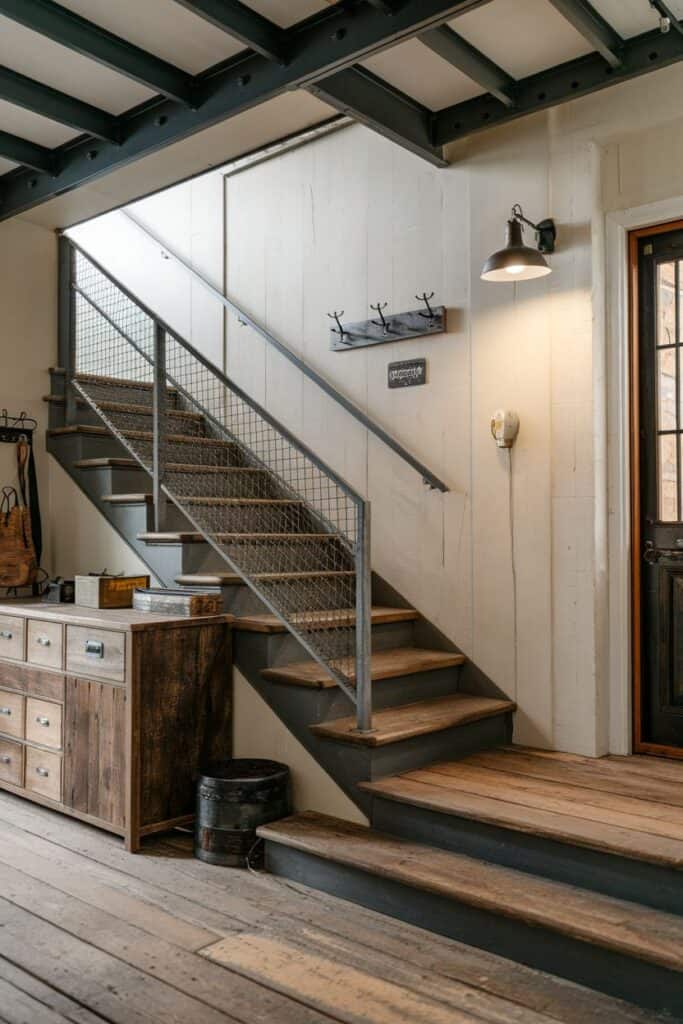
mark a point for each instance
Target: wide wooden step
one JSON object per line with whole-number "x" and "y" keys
{"x": 146, "y": 410}
{"x": 94, "y": 378}
{"x": 604, "y": 804}
{"x": 600, "y": 921}
{"x": 321, "y": 620}
{"x": 128, "y": 499}
{"x": 399, "y": 661}
{"x": 219, "y": 579}
{"x": 107, "y": 464}
{"x": 422, "y": 718}
{"x": 79, "y": 428}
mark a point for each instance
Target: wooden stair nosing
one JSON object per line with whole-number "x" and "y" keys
{"x": 420, "y": 718}
{"x": 128, "y": 499}
{"x": 108, "y": 463}
{"x": 147, "y": 435}
{"x": 193, "y": 537}
{"x": 199, "y": 500}
{"x": 629, "y": 929}
{"x": 79, "y": 428}
{"x": 216, "y": 579}
{"x": 333, "y": 618}
{"x": 94, "y": 378}
{"x": 398, "y": 661}
{"x": 146, "y": 410}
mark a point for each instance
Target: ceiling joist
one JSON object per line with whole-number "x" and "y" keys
{"x": 57, "y": 106}
{"x": 593, "y": 27}
{"x": 76, "y": 33}
{"x": 21, "y": 151}
{"x": 471, "y": 62}
{"x": 251, "y": 28}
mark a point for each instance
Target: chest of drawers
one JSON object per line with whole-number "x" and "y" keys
{"x": 108, "y": 715}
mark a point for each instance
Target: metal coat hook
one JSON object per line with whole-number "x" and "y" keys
{"x": 379, "y": 308}
{"x": 338, "y": 329}
{"x": 429, "y": 315}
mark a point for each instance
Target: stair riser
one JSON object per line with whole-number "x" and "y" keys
{"x": 251, "y": 518}
{"x": 70, "y": 448}
{"x": 244, "y": 484}
{"x": 283, "y": 648}
{"x": 117, "y": 480}
{"x": 190, "y": 452}
{"x": 539, "y": 947}
{"x": 138, "y": 517}
{"x": 181, "y": 425}
{"x": 299, "y": 556}
{"x": 128, "y": 394}
{"x": 620, "y": 877}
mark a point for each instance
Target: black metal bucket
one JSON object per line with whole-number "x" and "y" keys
{"x": 233, "y": 798}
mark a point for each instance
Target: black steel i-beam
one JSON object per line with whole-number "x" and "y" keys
{"x": 243, "y": 23}
{"x": 592, "y": 26}
{"x": 30, "y": 154}
{"x": 56, "y": 105}
{"x": 76, "y": 33}
{"x": 476, "y": 65}
{"x": 317, "y": 48}
{"x": 640, "y": 54}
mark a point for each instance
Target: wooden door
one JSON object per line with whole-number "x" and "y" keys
{"x": 657, "y": 367}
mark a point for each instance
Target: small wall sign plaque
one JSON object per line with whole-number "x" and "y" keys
{"x": 407, "y": 373}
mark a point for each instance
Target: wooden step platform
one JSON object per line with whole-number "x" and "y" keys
{"x": 629, "y": 807}
{"x": 399, "y": 661}
{"x": 190, "y": 537}
{"x": 128, "y": 499}
{"x": 626, "y": 929}
{"x": 422, "y": 718}
{"x": 321, "y": 620}
{"x": 219, "y": 579}
{"x": 108, "y": 463}
{"x": 79, "y": 428}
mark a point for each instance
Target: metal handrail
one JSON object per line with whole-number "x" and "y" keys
{"x": 361, "y": 693}
{"x": 428, "y": 477}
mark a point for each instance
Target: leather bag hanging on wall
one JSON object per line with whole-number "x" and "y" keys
{"x": 18, "y": 562}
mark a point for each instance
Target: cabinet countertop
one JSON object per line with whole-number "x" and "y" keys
{"x": 122, "y": 619}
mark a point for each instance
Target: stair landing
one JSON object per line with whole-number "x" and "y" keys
{"x": 631, "y": 807}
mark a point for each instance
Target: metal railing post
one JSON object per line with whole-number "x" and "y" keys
{"x": 159, "y": 426}
{"x": 363, "y": 619}
{"x": 67, "y": 325}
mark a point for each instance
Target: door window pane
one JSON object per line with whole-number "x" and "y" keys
{"x": 666, "y": 304}
{"x": 666, "y": 388}
{"x": 668, "y": 479}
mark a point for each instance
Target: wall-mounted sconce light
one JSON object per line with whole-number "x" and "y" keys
{"x": 517, "y": 261}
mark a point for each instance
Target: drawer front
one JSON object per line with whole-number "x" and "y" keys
{"x": 96, "y": 653}
{"x": 11, "y": 762}
{"x": 44, "y": 645}
{"x": 44, "y": 773}
{"x": 12, "y": 707}
{"x": 35, "y": 681}
{"x": 44, "y": 722}
{"x": 12, "y": 634}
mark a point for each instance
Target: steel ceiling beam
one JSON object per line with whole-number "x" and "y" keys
{"x": 593, "y": 27}
{"x": 71, "y": 30}
{"x": 370, "y": 100}
{"x": 243, "y": 23}
{"x": 21, "y": 151}
{"x": 471, "y": 62}
{"x": 647, "y": 52}
{"x": 317, "y": 48}
{"x": 57, "y": 106}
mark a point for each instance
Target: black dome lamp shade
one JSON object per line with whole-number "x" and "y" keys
{"x": 517, "y": 261}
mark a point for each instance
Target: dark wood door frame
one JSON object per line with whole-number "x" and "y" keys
{"x": 640, "y": 745}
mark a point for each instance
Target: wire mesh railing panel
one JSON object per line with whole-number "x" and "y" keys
{"x": 277, "y": 515}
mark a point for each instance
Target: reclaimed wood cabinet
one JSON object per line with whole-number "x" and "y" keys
{"x": 108, "y": 715}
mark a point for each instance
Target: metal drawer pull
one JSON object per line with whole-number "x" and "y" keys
{"x": 95, "y": 648}
{"x": 43, "y": 720}
{"x": 5, "y": 634}
{"x": 5, "y": 711}
{"x": 5, "y": 759}
{"x": 43, "y": 772}
{"x": 44, "y": 641}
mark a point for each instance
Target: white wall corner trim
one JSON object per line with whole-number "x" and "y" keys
{"x": 617, "y": 226}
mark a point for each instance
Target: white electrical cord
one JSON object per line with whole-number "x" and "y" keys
{"x": 513, "y": 563}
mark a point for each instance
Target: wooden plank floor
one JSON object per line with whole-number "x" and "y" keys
{"x": 631, "y": 806}
{"x": 91, "y": 934}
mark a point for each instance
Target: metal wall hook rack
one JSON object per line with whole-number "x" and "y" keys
{"x": 429, "y": 315}
{"x": 396, "y": 327}
{"x": 14, "y": 427}
{"x": 339, "y": 329}
{"x": 379, "y": 308}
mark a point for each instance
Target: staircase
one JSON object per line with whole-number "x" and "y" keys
{"x": 210, "y": 491}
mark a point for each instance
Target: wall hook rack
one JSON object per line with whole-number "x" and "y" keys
{"x": 379, "y": 308}
{"x": 416, "y": 323}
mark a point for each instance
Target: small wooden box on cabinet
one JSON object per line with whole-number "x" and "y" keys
{"x": 107, "y": 715}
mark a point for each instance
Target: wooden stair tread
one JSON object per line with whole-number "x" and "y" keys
{"x": 217, "y": 579}
{"x": 146, "y": 410}
{"x": 421, "y": 718}
{"x": 190, "y": 537}
{"x": 128, "y": 499}
{"x": 106, "y": 463}
{"x": 199, "y": 500}
{"x": 608, "y": 814}
{"x": 340, "y": 617}
{"x": 399, "y": 661}
{"x": 194, "y": 467}
{"x": 94, "y": 378}
{"x": 147, "y": 435}
{"x": 78, "y": 428}
{"x": 601, "y": 921}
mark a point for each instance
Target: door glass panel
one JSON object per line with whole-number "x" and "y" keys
{"x": 668, "y": 478}
{"x": 666, "y": 388}
{"x": 666, "y": 304}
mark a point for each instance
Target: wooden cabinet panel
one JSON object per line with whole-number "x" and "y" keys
{"x": 98, "y": 653}
{"x": 44, "y": 722}
{"x": 12, "y": 714}
{"x": 11, "y": 762}
{"x": 44, "y": 773}
{"x": 94, "y": 749}
{"x": 36, "y": 681}
{"x": 44, "y": 643}
{"x": 12, "y": 635}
